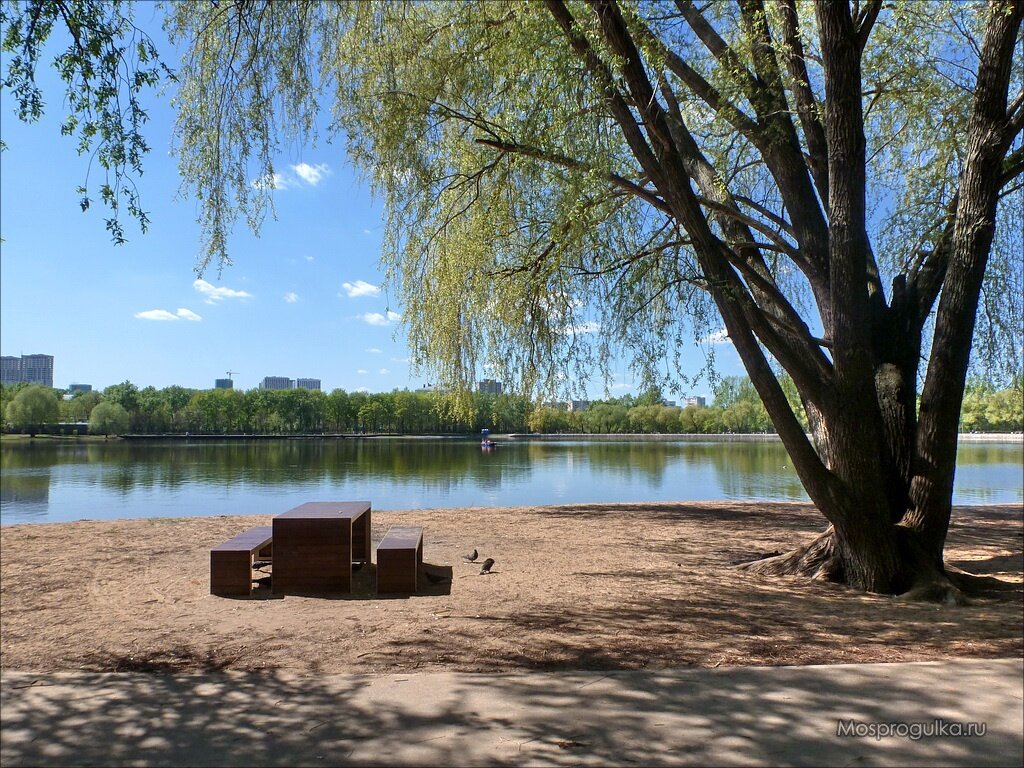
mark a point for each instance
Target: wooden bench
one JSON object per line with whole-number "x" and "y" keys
{"x": 231, "y": 562}
{"x": 399, "y": 557}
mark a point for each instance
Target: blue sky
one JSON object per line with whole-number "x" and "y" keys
{"x": 304, "y": 299}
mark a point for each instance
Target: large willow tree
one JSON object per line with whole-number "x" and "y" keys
{"x": 837, "y": 183}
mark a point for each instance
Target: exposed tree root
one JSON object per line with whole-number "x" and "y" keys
{"x": 982, "y": 586}
{"x": 925, "y": 582}
{"x": 934, "y": 587}
{"x": 818, "y": 560}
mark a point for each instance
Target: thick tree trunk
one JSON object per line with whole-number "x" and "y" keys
{"x": 890, "y": 523}
{"x": 989, "y": 135}
{"x": 920, "y": 578}
{"x": 883, "y": 481}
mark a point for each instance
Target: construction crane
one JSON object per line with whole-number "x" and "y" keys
{"x": 232, "y": 373}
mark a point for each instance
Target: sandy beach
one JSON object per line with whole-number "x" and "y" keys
{"x": 597, "y": 586}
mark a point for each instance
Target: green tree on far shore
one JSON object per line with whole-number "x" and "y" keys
{"x": 32, "y": 408}
{"x": 80, "y": 405}
{"x": 108, "y": 419}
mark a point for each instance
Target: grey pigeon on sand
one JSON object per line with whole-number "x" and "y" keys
{"x": 435, "y": 578}
{"x": 486, "y": 566}
{"x": 471, "y": 556}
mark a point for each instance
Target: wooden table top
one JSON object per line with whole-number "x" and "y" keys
{"x": 326, "y": 509}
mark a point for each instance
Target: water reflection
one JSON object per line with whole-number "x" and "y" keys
{"x": 28, "y": 492}
{"x": 54, "y": 481}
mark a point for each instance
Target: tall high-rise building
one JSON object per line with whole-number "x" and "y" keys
{"x": 34, "y": 369}
{"x": 79, "y": 387}
{"x": 313, "y": 384}
{"x": 10, "y": 369}
{"x": 489, "y": 387}
{"x": 277, "y": 382}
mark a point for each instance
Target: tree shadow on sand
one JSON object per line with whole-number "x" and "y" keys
{"x": 739, "y": 716}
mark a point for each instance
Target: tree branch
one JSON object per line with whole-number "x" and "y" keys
{"x": 768, "y": 214}
{"x": 710, "y": 95}
{"x": 775, "y": 139}
{"x": 568, "y": 162}
{"x": 718, "y": 47}
{"x": 866, "y": 20}
{"x": 806, "y": 103}
{"x": 796, "y": 350}
{"x": 1015, "y": 116}
{"x": 620, "y": 110}
{"x": 849, "y": 255}
{"x": 1013, "y": 166}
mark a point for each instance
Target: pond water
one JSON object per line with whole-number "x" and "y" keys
{"x": 54, "y": 482}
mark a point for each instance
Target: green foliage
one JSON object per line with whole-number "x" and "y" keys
{"x": 80, "y": 406}
{"x": 124, "y": 394}
{"x": 178, "y": 410}
{"x": 523, "y": 234}
{"x": 740, "y": 405}
{"x": 552, "y": 420}
{"x": 986, "y": 409}
{"x": 32, "y": 407}
{"x": 106, "y": 66}
{"x": 108, "y": 418}
{"x": 8, "y": 393}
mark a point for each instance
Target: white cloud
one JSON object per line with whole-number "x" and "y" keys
{"x": 156, "y": 314}
{"x": 309, "y": 258}
{"x": 400, "y": 360}
{"x": 367, "y": 232}
{"x": 215, "y": 293}
{"x": 291, "y": 297}
{"x": 591, "y": 326}
{"x": 374, "y": 351}
{"x": 163, "y": 314}
{"x": 363, "y": 389}
{"x": 376, "y": 318}
{"x": 271, "y": 181}
{"x": 621, "y": 385}
{"x": 312, "y": 174}
{"x": 383, "y": 371}
{"x": 361, "y": 371}
{"x": 360, "y": 288}
{"x": 721, "y": 336}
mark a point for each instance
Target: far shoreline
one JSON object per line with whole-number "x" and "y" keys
{"x": 626, "y": 437}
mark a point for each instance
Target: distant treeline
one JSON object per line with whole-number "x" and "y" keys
{"x": 176, "y": 410}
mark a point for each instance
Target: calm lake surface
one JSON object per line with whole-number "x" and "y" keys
{"x": 48, "y": 482}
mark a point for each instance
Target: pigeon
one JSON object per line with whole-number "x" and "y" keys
{"x": 435, "y": 578}
{"x": 487, "y": 565}
{"x": 471, "y": 556}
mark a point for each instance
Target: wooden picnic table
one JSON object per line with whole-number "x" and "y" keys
{"x": 315, "y": 545}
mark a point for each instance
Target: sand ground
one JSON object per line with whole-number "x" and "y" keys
{"x": 597, "y": 586}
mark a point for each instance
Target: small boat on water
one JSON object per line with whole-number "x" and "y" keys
{"x": 488, "y": 444}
